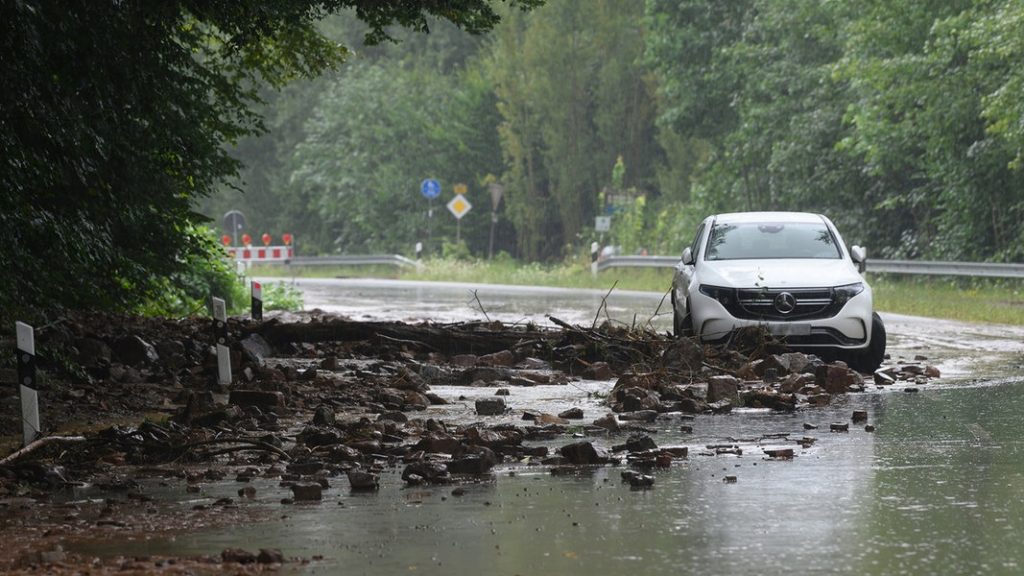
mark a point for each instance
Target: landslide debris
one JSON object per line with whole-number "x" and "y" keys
{"x": 316, "y": 396}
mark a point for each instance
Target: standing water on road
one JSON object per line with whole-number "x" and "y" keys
{"x": 938, "y": 487}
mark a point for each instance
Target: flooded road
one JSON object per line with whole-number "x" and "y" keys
{"x": 962, "y": 351}
{"x": 938, "y": 488}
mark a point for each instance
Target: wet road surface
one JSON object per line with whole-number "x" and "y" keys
{"x": 938, "y": 488}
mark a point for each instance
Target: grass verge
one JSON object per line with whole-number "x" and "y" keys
{"x": 968, "y": 299}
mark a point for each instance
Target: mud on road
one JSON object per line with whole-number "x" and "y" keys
{"x": 321, "y": 403}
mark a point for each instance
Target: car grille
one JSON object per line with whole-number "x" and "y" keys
{"x": 763, "y": 304}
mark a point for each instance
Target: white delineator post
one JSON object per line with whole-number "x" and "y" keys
{"x": 220, "y": 331}
{"x": 28, "y": 390}
{"x": 595, "y": 250}
{"x": 257, "y": 301}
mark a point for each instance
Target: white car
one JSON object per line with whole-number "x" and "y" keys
{"x": 787, "y": 271}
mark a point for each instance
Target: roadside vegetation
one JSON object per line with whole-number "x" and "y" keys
{"x": 900, "y": 121}
{"x": 966, "y": 299}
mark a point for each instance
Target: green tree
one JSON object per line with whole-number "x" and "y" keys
{"x": 116, "y": 117}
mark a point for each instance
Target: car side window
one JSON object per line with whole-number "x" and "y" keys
{"x": 696, "y": 242}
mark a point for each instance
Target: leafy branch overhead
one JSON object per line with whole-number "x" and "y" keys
{"x": 117, "y": 116}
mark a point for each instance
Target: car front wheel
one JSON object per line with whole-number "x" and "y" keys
{"x": 869, "y": 359}
{"x": 682, "y": 325}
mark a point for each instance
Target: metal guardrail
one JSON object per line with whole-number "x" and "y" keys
{"x": 347, "y": 260}
{"x": 992, "y": 270}
{"x": 888, "y": 266}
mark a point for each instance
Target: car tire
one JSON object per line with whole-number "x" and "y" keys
{"x": 682, "y": 325}
{"x": 871, "y": 357}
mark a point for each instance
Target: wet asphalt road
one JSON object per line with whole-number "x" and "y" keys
{"x": 962, "y": 351}
{"x": 938, "y": 488}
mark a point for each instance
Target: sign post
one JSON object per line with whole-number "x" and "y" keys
{"x": 220, "y": 333}
{"x": 234, "y": 222}
{"x": 496, "y": 190}
{"x": 459, "y": 206}
{"x": 27, "y": 387}
{"x": 430, "y": 188}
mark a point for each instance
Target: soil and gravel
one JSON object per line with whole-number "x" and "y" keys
{"x": 134, "y": 407}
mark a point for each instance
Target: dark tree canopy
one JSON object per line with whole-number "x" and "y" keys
{"x": 115, "y": 116}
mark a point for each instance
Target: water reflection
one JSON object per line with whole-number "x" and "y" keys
{"x": 939, "y": 488}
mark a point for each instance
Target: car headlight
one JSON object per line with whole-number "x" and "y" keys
{"x": 723, "y": 295}
{"x": 846, "y": 292}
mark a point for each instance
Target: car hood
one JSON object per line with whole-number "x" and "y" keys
{"x": 793, "y": 273}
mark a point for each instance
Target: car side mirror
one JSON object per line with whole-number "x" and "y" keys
{"x": 860, "y": 256}
{"x": 687, "y": 256}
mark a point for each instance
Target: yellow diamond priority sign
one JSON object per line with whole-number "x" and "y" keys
{"x": 459, "y": 206}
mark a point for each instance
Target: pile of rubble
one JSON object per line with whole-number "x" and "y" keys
{"x": 324, "y": 396}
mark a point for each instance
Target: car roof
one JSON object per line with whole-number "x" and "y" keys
{"x": 739, "y": 217}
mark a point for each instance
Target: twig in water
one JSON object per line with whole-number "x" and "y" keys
{"x": 657, "y": 311}
{"x": 604, "y": 304}
{"x": 480, "y": 305}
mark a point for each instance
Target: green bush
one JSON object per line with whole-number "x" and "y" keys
{"x": 281, "y": 296}
{"x": 203, "y": 276}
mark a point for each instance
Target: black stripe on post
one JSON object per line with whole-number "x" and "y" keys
{"x": 257, "y": 301}
{"x": 27, "y": 370}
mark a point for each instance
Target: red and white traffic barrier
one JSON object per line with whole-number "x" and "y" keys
{"x": 264, "y": 254}
{"x": 247, "y": 254}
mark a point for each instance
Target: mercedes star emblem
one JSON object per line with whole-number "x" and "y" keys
{"x": 785, "y": 303}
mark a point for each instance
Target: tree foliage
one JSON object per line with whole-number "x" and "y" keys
{"x": 900, "y": 121}
{"x": 117, "y": 116}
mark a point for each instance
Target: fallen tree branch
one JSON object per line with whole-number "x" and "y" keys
{"x": 39, "y": 444}
{"x": 252, "y": 443}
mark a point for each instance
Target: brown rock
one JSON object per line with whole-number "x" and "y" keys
{"x": 270, "y": 556}
{"x": 92, "y": 351}
{"x": 685, "y": 354}
{"x": 583, "y": 453}
{"x": 723, "y": 388}
{"x": 485, "y": 374}
{"x": 780, "y": 453}
{"x": 503, "y": 358}
{"x": 837, "y": 378}
{"x": 720, "y": 407}
{"x": 362, "y": 481}
{"x": 134, "y": 351}
{"x": 545, "y": 419}
{"x": 479, "y": 462}
{"x": 636, "y": 479}
{"x": 307, "y": 492}
{"x": 575, "y": 413}
{"x": 639, "y": 416}
{"x": 490, "y": 406}
{"x": 237, "y": 556}
{"x": 598, "y": 371}
{"x": 608, "y": 422}
{"x": 258, "y": 398}
{"x": 438, "y": 443}
{"x": 426, "y": 472}
{"x": 796, "y": 361}
{"x": 464, "y": 360}
{"x": 773, "y": 364}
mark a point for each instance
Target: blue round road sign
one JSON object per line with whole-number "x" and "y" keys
{"x": 430, "y": 188}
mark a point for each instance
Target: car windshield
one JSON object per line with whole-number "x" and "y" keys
{"x": 760, "y": 240}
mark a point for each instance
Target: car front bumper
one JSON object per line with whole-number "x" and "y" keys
{"x": 849, "y": 328}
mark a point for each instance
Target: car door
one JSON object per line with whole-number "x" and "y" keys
{"x": 684, "y": 273}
